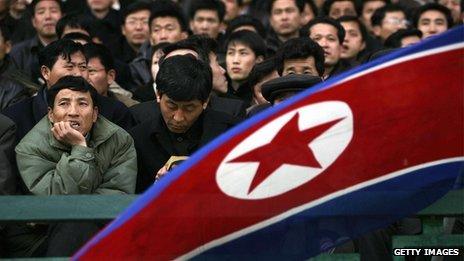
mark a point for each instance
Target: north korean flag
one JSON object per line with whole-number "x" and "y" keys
{"x": 353, "y": 154}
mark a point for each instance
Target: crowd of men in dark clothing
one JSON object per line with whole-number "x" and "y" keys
{"x": 98, "y": 96}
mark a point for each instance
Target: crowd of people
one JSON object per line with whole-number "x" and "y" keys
{"x": 106, "y": 96}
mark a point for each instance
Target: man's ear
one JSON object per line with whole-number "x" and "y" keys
{"x": 184, "y": 35}
{"x": 158, "y": 96}
{"x": 7, "y": 46}
{"x": 205, "y": 104}
{"x": 95, "y": 114}
{"x": 45, "y": 71}
{"x": 259, "y": 59}
{"x": 111, "y": 76}
{"x": 50, "y": 115}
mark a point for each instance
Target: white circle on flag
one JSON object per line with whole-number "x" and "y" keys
{"x": 235, "y": 178}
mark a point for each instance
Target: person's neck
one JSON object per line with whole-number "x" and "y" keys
{"x": 285, "y": 38}
{"x": 327, "y": 71}
{"x": 100, "y": 14}
{"x": 46, "y": 40}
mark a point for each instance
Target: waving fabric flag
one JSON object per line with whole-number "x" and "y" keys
{"x": 353, "y": 154}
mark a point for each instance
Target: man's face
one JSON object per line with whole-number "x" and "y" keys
{"x": 166, "y": 29}
{"x": 326, "y": 36}
{"x": 432, "y": 22}
{"x": 219, "y": 78}
{"x": 136, "y": 29}
{"x": 285, "y": 17}
{"x": 75, "y": 107}
{"x": 392, "y": 22}
{"x": 341, "y": 8}
{"x": 206, "y": 22}
{"x": 46, "y": 15}
{"x": 240, "y": 59}
{"x": 19, "y": 5}
{"x": 99, "y": 77}
{"x": 369, "y": 9}
{"x": 99, "y": 5}
{"x": 454, "y": 6}
{"x": 180, "y": 116}
{"x": 76, "y": 66}
{"x": 300, "y": 66}
{"x": 353, "y": 42}
{"x": 232, "y": 9}
{"x": 410, "y": 40}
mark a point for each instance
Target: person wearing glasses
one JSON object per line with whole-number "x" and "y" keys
{"x": 387, "y": 20}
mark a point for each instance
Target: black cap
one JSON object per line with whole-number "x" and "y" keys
{"x": 289, "y": 83}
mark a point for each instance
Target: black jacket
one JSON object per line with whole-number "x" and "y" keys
{"x": 26, "y": 56}
{"x": 27, "y": 113}
{"x": 8, "y": 183}
{"x": 146, "y": 110}
{"x": 154, "y": 147}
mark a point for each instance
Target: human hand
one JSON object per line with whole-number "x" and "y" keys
{"x": 63, "y": 132}
{"x": 161, "y": 172}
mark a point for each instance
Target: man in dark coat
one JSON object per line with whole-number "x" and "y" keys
{"x": 183, "y": 123}
{"x": 58, "y": 59}
{"x": 7, "y": 137}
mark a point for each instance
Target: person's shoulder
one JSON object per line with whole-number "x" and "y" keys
{"x": 21, "y": 46}
{"x": 38, "y": 136}
{"x": 18, "y": 109}
{"x": 5, "y": 124}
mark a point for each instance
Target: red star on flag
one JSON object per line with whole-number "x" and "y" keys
{"x": 289, "y": 146}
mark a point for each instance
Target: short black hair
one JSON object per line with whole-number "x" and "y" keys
{"x": 5, "y": 32}
{"x": 394, "y": 40}
{"x": 101, "y": 52}
{"x": 249, "y": 39}
{"x": 300, "y": 48}
{"x": 214, "y": 5}
{"x": 379, "y": 14}
{"x": 184, "y": 78}
{"x": 244, "y": 20}
{"x": 261, "y": 70}
{"x": 134, "y": 8}
{"x": 73, "y": 20}
{"x": 328, "y": 4}
{"x": 363, "y": 3}
{"x": 313, "y": 7}
{"x": 200, "y": 44}
{"x": 324, "y": 20}
{"x": 362, "y": 27}
{"x": 167, "y": 8}
{"x": 60, "y": 48}
{"x": 436, "y": 7}
{"x": 299, "y": 4}
{"x": 77, "y": 36}
{"x": 75, "y": 83}
{"x": 35, "y": 2}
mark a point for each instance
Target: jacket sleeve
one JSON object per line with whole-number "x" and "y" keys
{"x": 74, "y": 173}
{"x": 120, "y": 177}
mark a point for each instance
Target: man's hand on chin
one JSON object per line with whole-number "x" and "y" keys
{"x": 63, "y": 132}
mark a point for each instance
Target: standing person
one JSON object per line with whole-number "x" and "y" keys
{"x": 432, "y": 19}
{"x": 206, "y": 17}
{"x": 387, "y": 20}
{"x": 338, "y": 8}
{"x": 354, "y": 44}
{"x": 106, "y": 20}
{"x": 244, "y": 50}
{"x": 45, "y": 16}
{"x": 183, "y": 123}
{"x": 74, "y": 151}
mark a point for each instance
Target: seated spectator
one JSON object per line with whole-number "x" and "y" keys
{"x": 285, "y": 20}
{"x": 102, "y": 73}
{"x": 135, "y": 29}
{"x": 354, "y": 43}
{"x": 280, "y": 89}
{"x": 456, "y": 8}
{"x": 8, "y": 183}
{"x": 387, "y": 20}
{"x": 246, "y": 22}
{"x": 403, "y": 38}
{"x": 329, "y": 34}
{"x": 45, "y": 15}
{"x": 338, "y": 8}
{"x": 432, "y": 19}
{"x": 183, "y": 123}
{"x": 73, "y": 150}
{"x": 233, "y": 8}
{"x": 244, "y": 50}
{"x": 206, "y": 17}
{"x": 309, "y": 13}
{"x": 12, "y": 88}
{"x": 368, "y": 8}
{"x": 300, "y": 56}
{"x": 105, "y": 20}
{"x": 167, "y": 25}
{"x": 61, "y": 58}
